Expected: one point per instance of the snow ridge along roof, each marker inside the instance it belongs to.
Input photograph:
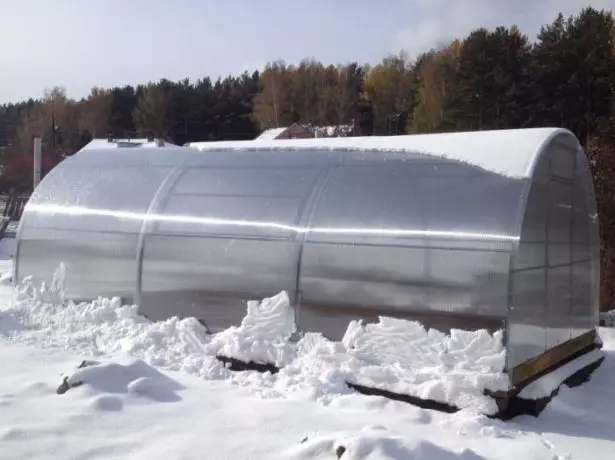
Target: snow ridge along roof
(511, 152)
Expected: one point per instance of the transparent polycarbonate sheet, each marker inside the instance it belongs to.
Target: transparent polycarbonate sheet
(103, 264)
(529, 317)
(87, 213)
(212, 278)
(554, 280)
(228, 231)
(412, 237)
(585, 251)
(526, 321)
(583, 316)
(348, 234)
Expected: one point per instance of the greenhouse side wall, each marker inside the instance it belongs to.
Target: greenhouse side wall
(229, 230)
(241, 225)
(348, 234)
(87, 214)
(410, 236)
(556, 269)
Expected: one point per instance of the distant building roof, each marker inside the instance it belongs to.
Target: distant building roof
(308, 130)
(272, 133)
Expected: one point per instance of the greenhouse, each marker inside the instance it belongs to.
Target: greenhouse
(479, 230)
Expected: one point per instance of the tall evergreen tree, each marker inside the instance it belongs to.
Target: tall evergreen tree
(123, 103)
(151, 111)
(573, 67)
(494, 80)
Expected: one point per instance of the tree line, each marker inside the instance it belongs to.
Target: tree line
(491, 79)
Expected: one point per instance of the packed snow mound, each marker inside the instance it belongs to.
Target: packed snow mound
(105, 327)
(399, 356)
(263, 334)
(374, 443)
(127, 376)
(454, 369)
(608, 318)
(393, 355)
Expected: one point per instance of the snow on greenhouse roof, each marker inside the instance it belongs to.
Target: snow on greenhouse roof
(119, 143)
(508, 152)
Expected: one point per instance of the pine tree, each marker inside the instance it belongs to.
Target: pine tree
(574, 64)
(151, 112)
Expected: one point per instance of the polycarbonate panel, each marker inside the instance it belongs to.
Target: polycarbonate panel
(528, 316)
(239, 216)
(583, 297)
(526, 323)
(554, 280)
(559, 307)
(281, 181)
(364, 276)
(113, 198)
(87, 213)
(562, 161)
(586, 251)
(105, 268)
(212, 278)
(227, 231)
(404, 236)
(559, 221)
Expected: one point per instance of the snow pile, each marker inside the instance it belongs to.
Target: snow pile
(263, 335)
(402, 357)
(374, 442)
(112, 415)
(41, 317)
(123, 377)
(608, 318)
(394, 355)
(453, 368)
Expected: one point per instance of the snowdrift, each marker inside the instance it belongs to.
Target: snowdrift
(395, 358)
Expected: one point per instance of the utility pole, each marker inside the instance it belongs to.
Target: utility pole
(53, 128)
(36, 173)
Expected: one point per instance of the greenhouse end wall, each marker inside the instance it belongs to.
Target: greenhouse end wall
(556, 268)
(347, 231)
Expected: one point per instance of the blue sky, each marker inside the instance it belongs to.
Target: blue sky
(81, 43)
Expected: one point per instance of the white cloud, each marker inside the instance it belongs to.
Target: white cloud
(440, 21)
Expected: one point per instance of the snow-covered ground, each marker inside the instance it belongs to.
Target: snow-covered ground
(155, 390)
(608, 318)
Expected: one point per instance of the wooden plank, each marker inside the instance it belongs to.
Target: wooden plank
(528, 370)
